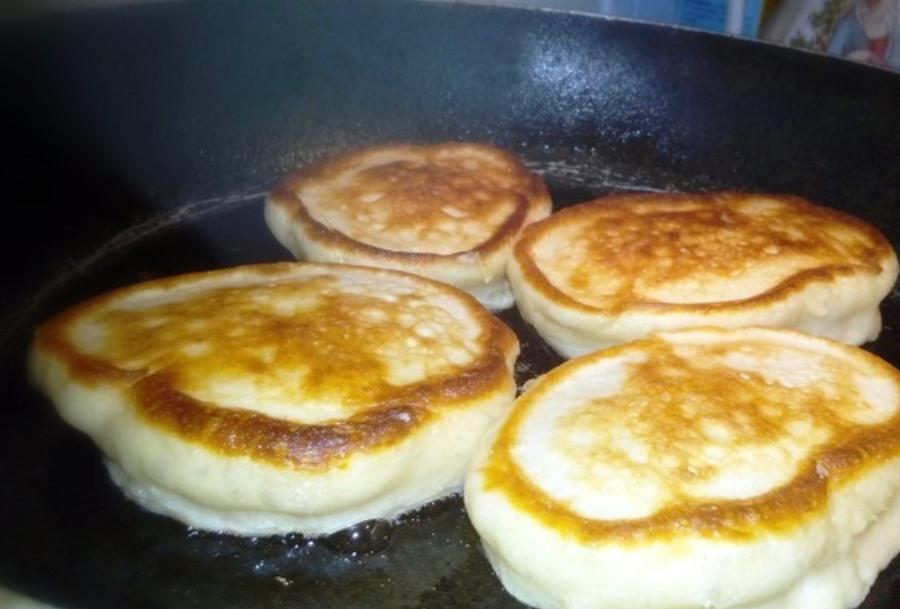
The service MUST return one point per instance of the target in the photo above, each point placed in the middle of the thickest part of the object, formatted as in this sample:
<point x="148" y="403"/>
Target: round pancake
<point x="285" y="397"/>
<point x="614" y="269"/>
<point x="448" y="211"/>
<point x="752" y="468"/>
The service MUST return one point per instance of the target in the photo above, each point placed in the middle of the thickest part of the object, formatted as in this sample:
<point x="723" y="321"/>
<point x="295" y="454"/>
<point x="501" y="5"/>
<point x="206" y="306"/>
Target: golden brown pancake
<point x="614" y="269"/>
<point x="284" y="397"/>
<point x="448" y="211"/>
<point x="752" y="468"/>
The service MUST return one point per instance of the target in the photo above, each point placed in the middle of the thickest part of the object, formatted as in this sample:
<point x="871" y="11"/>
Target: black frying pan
<point x="140" y="140"/>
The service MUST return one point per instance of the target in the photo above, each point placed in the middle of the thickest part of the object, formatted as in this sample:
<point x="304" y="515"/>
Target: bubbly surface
<point x="664" y="427"/>
<point x="312" y="350"/>
<point x="439" y="200"/>
<point x="609" y="254"/>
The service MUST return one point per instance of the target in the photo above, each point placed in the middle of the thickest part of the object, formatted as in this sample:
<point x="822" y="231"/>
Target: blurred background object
<point x="739" y="17"/>
<point x="867" y="31"/>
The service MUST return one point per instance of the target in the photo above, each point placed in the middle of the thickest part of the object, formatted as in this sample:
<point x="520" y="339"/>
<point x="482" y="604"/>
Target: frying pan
<point x="140" y="140"/>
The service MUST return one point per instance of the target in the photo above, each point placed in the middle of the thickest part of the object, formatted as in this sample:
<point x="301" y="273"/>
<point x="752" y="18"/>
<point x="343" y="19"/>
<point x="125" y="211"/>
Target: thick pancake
<point x="285" y="397"/>
<point x="752" y="468"/>
<point x="614" y="269"/>
<point x="449" y="211"/>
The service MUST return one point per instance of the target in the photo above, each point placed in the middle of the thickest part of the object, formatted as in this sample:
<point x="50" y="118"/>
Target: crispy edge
<point x="242" y="432"/>
<point x="794" y="284"/>
<point x="779" y="511"/>
<point x="535" y="199"/>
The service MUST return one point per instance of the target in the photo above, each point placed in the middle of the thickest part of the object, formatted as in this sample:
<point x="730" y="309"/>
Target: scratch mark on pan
<point x="597" y="178"/>
<point x="73" y="266"/>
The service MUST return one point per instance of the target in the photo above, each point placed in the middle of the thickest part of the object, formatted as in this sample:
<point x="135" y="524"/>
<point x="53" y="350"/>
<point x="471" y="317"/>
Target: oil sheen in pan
<point x="74" y="540"/>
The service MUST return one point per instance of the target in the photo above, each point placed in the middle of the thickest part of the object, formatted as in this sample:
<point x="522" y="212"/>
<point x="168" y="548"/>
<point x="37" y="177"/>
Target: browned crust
<point x="538" y="281"/>
<point x="534" y="196"/>
<point x="778" y="511"/>
<point x="243" y="432"/>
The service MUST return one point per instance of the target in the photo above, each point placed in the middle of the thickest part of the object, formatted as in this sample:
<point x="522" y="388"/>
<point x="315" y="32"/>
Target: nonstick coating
<point x="140" y="141"/>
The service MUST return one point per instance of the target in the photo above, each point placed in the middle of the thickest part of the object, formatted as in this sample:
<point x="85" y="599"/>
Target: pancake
<point x="448" y="211"/>
<point x="278" y="398"/>
<point x="754" y="468"/>
<point x="615" y="269"/>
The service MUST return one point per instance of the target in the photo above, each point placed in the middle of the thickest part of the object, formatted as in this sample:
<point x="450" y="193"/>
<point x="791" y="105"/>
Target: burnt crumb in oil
<point x="372" y="536"/>
<point x="360" y="539"/>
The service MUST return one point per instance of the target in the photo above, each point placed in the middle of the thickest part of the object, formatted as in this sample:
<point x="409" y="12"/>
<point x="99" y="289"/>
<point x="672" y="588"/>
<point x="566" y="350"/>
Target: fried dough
<point x="755" y="469"/>
<point x="278" y="398"/>
<point x="615" y="269"/>
<point x="448" y="211"/>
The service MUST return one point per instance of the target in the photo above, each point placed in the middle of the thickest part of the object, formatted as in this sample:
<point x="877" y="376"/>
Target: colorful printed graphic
<point x="861" y="30"/>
